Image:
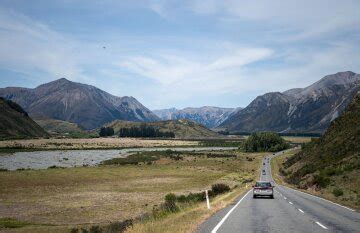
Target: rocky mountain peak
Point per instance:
(85, 105)
(309, 109)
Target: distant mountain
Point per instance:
(165, 114)
(304, 110)
(15, 122)
(85, 105)
(182, 128)
(210, 117)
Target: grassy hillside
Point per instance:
(181, 128)
(331, 164)
(15, 122)
(59, 127)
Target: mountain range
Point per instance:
(85, 105)
(300, 110)
(182, 128)
(208, 116)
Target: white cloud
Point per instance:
(303, 19)
(171, 69)
(185, 79)
(29, 46)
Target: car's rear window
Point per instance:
(263, 184)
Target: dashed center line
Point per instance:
(285, 198)
(290, 203)
(321, 225)
(301, 210)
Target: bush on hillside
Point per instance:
(220, 188)
(337, 192)
(321, 180)
(265, 141)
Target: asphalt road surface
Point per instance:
(289, 211)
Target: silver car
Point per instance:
(263, 188)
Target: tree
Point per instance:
(144, 131)
(106, 131)
(265, 141)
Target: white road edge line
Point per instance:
(323, 199)
(321, 225)
(301, 210)
(228, 214)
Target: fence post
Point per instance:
(207, 199)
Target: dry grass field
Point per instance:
(93, 143)
(58, 199)
(295, 139)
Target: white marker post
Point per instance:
(207, 199)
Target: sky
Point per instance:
(179, 53)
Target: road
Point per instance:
(289, 211)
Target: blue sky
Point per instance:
(179, 53)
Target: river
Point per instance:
(78, 158)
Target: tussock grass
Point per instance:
(86, 196)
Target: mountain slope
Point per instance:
(58, 127)
(15, 122)
(334, 159)
(208, 116)
(85, 105)
(182, 128)
(304, 110)
(165, 114)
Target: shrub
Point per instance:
(74, 230)
(170, 197)
(220, 188)
(306, 169)
(331, 171)
(54, 167)
(95, 229)
(119, 226)
(170, 204)
(133, 159)
(321, 180)
(337, 192)
(191, 197)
